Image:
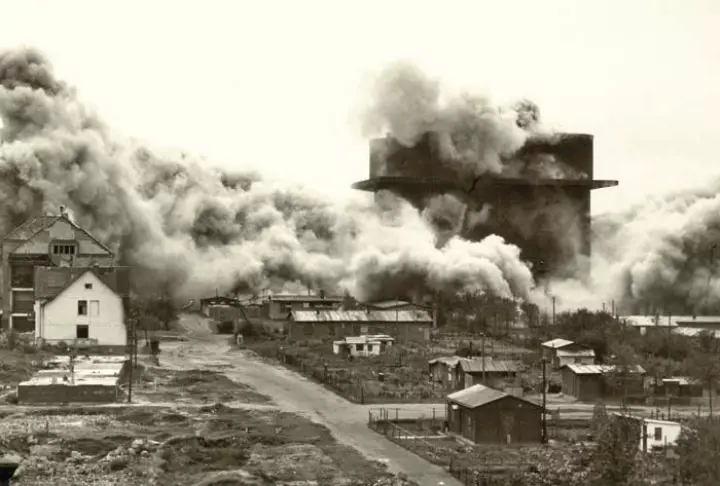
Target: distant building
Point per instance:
(277, 307)
(42, 241)
(487, 416)
(690, 326)
(363, 345)
(322, 324)
(494, 373)
(679, 387)
(652, 434)
(561, 352)
(82, 306)
(592, 382)
(222, 308)
(443, 370)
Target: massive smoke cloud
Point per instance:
(470, 133)
(191, 230)
(656, 257)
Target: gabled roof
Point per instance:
(30, 227)
(361, 316)
(557, 343)
(491, 366)
(479, 395)
(220, 300)
(33, 226)
(52, 281)
(601, 369)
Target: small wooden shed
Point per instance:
(488, 416)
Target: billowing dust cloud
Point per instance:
(656, 257)
(189, 229)
(471, 134)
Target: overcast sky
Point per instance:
(273, 84)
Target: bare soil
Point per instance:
(177, 447)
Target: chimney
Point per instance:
(63, 213)
(322, 294)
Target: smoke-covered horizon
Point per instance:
(655, 257)
(190, 229)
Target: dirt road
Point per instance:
(294, 393)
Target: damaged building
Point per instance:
(541, 202)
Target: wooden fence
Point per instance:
(434, 447)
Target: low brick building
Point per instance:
(404, 325)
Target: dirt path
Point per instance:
(294, 393)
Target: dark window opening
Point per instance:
(63, 249)
(360, 347)
(82, 307)
(658, 433)
(82, 331)
(88, 286)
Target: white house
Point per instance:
(562, 352)
(363, 345)
(81, 305)
(655, 433)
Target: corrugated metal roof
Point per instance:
(389, 304)
(325, 315)
(491, 366)
(580, 353)
(377, 338)
(479, 395)
(675, 321)
(303, 298)
(694, 332)
(556, 343)
(681, 380)
(50, 281)
(447, 360)
(600, 369)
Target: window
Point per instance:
(359, 347)
(658, 433)
(88, 286)
(370, 348)
(63, 249)
(363, 330)
(94, 308)
(82, 307)
(82, 331)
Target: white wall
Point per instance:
(670, 432)
(58, 319)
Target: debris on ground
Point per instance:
(210, 446)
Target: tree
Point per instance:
(152, 312)
(698, 450)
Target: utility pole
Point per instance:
(483, 359)
(612, 304)
(553, 310)
(130, 379)
(544, 402)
